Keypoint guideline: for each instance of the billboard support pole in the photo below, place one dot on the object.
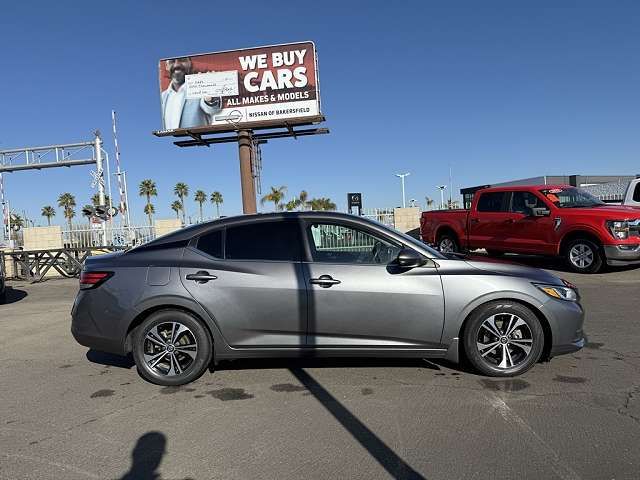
(246, 173)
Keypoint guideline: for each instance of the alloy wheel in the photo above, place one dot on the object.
(446, 245)
(504, 341)
(581, 255)
(170, 348)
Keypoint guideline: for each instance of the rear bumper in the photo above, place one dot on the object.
(94, 334)
(622, 254)
(95, 342)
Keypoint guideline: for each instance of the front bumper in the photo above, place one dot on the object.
(566, 320)
(622, 254)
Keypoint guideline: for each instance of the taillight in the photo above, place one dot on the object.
(93, 279)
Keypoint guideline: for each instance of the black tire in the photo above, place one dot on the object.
(492, 360)
(3, 297)
(448, 243)
(494, 253)
(583, 256)
(179, 349)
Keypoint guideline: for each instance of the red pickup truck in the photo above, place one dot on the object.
(543, 220)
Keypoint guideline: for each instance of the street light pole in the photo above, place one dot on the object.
(402, 176)
(442, 189)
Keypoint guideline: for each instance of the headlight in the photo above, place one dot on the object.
(568, 293)
(619, 229)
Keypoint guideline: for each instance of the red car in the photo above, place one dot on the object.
(543, 220)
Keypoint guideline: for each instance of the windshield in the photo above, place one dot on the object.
(571, 197)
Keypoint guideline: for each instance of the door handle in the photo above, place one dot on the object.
(201, 277)
(474, 220)
(325, 281)
(509, 220)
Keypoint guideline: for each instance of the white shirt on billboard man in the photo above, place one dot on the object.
(178, 111)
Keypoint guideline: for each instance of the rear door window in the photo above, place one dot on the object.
(636, 193)
(211, 243)
(492, 202)
(273, 240)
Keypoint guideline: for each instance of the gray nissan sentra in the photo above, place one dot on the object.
(316, 284)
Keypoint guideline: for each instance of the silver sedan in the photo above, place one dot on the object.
(316, 284)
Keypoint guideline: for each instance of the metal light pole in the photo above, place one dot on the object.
(442, 189)
(402, 176)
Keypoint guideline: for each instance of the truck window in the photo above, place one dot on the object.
(525, 202)
(491, 202)
(636, 193)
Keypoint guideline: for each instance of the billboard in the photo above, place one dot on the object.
(249, 88)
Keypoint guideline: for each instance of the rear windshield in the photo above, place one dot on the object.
(571, 197)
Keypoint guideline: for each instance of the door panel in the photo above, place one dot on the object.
(372, 307)
(526, 233)
(358, 298)
(254, 303)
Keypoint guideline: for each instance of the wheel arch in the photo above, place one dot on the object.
(544, 322)
(145, 313)
(447, 229)
(578, 233)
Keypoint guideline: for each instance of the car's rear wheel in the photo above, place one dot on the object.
(583, 256)
(503, 339)
(171, 347)
(448, 243)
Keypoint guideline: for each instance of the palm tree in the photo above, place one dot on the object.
(292, 205)
(276, 196)
(48, 212)
(216, 197)
(17, 222)
(200, 197)
(149, 210)
(176, 206)
(303, 199)
(148, 189)
(322, 203)
(182, 190)
(67, 201)
(87, 208)
(96, 199)
(430, 202)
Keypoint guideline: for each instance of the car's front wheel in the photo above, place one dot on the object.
(584, 256)
(171, 347)
(503, 339)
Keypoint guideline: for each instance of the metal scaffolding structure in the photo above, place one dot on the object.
(53, 156)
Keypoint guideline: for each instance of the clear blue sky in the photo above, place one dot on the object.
(497, 90)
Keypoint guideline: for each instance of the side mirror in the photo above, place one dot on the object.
(540, 212)
(408, 258)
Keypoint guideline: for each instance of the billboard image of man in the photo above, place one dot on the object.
(178, 111)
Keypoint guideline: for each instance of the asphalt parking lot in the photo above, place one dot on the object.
(70, 413)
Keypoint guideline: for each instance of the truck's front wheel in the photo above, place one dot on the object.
(448, 243)
(583, 256)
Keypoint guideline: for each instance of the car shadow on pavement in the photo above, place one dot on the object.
(13, 295)
(380, 451)
(110, 359)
